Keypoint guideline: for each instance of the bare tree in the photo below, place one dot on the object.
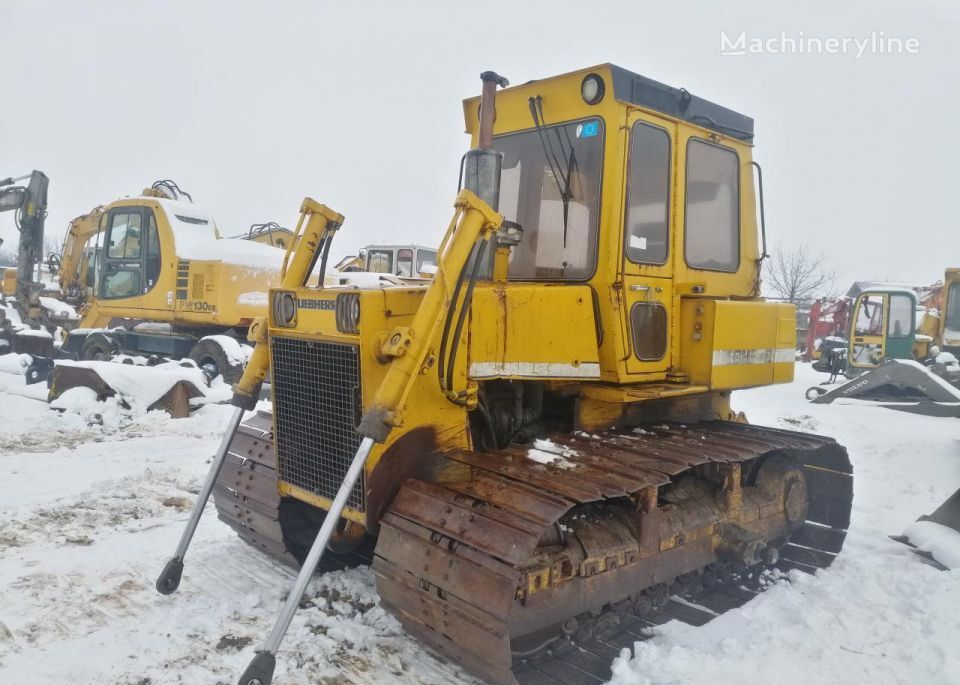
(798, 274)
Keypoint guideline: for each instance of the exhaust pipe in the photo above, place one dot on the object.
(482, 166)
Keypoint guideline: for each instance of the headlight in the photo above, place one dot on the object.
(348, 312)
(510, 234)
(284, 309)
(591, 89)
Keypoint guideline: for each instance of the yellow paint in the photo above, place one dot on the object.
(575, 337)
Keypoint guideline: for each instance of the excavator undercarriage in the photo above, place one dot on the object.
(532, 567)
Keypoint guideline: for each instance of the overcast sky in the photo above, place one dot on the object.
(251, 106)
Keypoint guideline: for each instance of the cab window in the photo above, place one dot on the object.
(550, 185)
(901, 316)
(124, 241)
(405, 262)
(426, 258)
(870, 316)
(380, 261)
(712, 207)
(648, 195)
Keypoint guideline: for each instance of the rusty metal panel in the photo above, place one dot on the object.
(488, 590)
(494, 531)
(521, 499)
(526, 471)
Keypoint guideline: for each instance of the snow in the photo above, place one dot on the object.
(14, 363)
(878, 615)
(941, 541)
(34, 333)
(90, 510)
(201, 241)
(13, 317)
(58, 308)
(546, 452)
(253, 299)
(237, 353)
(141, 386)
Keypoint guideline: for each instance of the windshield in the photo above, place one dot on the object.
(551, 186)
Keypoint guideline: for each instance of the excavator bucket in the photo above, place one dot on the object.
(936, 537)
(898, 384)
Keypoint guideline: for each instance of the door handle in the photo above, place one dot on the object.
(645, 288)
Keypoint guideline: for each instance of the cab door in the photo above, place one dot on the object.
(122, 274)
(868, 342)
(647, 249)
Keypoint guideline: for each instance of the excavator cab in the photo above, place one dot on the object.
(884, 327)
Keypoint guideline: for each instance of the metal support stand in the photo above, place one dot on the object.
(169, 579)
(260, 670)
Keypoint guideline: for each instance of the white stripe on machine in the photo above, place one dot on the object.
(535, 369)
(758, 355)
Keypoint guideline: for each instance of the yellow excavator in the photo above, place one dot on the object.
(537, 448)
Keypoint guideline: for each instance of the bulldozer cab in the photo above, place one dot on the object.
(884, 327)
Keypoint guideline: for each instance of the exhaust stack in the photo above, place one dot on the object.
(482, 166)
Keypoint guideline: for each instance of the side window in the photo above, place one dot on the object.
(380, 261)
(153, 252)
(648, 323)
(124, 240)
(425, 258)
(712, 207)
(869, 316)
(648, 195)
(901, 316)
(405, 263)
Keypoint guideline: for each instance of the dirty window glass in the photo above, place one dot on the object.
(901, 316)
(404, 263)
(712, 207)
(124, 242)
(870, 316)
(380, 261)
(425, 258)
(550, 185)
(648, 194)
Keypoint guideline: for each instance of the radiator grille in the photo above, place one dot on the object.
(316, 406)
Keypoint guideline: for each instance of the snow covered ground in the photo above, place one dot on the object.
(89, 513)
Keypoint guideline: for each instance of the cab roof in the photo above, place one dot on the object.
(679, 103)
(632, 88)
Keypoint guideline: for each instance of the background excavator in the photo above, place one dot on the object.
(903, 356)
(898, 353)
(536, 448)
(151, 277)
(27, 333)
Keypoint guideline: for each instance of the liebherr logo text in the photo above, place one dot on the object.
(324, 305)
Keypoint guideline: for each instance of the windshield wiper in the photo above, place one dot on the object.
(536, 111)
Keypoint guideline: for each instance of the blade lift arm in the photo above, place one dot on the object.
(409, 350)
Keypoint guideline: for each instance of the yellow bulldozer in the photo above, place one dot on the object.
(536, 448)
